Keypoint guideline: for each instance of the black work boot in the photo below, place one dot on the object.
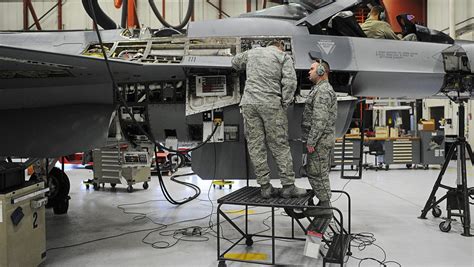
(320, 213)
(291, 191)
(268, 191)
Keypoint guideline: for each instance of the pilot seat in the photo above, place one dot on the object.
(345, 24)
(423, 34)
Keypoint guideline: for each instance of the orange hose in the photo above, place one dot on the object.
(118, 3)
(131, 14)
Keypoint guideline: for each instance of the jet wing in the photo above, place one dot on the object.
(327, 11)
(19, 66)
(56, 104)
(32, 78)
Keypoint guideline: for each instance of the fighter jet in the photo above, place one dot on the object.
(57, 95)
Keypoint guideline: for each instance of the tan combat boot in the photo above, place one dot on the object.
(318, 212)
(291, 191)
(268, 191)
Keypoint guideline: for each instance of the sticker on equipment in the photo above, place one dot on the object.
(1, 211)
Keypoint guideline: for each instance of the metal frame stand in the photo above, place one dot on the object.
(247, 196)
(361, 151)
(457, 197)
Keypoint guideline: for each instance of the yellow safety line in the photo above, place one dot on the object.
(237, 212)
(247, 256)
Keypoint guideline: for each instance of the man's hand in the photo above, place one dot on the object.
(310, 149)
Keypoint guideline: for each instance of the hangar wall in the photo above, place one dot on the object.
(438, 18)
(74, 16)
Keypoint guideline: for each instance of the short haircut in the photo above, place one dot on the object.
(377, 10)
(325, 65)
(276, 42)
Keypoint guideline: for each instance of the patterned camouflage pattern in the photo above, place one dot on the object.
(318, 127)
(317, 170)
(271, 77)
(267, 126)
(382, 30)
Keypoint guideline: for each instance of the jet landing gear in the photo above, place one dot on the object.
(57, 181)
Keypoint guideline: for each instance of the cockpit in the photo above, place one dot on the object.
(328, 17)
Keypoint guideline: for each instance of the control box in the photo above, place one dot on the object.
(135, 158)
(211, 120)
(213, 85)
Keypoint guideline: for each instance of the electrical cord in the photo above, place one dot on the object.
(123, 102)
(103, 238)
(340, 194)
(362, 241)
(149, 136)
(186, 18)
(166, 194)
(193, 148)
(139, 215)
(179, 233)
(192, 186)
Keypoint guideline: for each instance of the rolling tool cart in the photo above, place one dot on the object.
(120, 164)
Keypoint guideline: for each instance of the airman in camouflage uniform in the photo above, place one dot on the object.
(376, 27)
(318, 128)
(269, 90)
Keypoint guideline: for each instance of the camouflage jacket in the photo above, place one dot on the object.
(320, 113)
(271, 77)
(378, 29)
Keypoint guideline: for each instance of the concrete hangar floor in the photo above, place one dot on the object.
(128, 227)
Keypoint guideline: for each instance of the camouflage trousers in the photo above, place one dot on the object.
(267, 127)
(410, 37)
(318, 166)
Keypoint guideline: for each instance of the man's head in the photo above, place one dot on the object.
(277, 43)
(319, 71)
(377, 13)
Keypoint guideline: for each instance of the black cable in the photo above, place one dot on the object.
(91, 6)
(149, 136)
(101, 239)
(340, 194)
(166, 194)
(194, 148)
(362, 241)
(177, 234)
(123, 102)
(139, 215)
(123, 22)
(186, 18)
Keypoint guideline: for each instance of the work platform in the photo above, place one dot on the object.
(338, 245)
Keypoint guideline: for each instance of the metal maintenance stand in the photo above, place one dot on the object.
(457, 197)
(459, 87)
(247, 196)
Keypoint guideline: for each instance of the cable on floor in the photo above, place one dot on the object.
(362, 241)
(340, 194)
